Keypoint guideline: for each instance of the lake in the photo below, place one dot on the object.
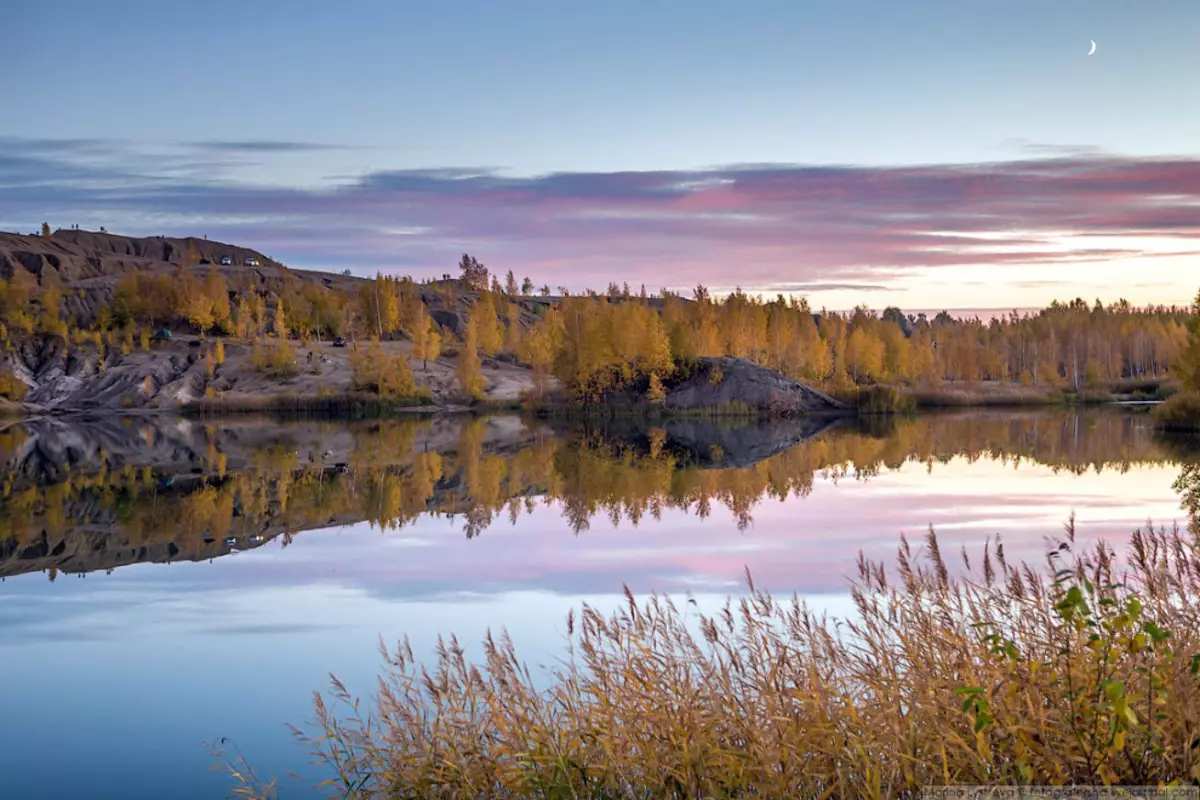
(168, 583)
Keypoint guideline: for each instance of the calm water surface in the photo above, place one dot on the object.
(167, 584)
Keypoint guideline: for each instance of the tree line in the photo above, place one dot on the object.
(595, 342)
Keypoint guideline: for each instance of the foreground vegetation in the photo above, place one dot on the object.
(984, 673)
(968, 672)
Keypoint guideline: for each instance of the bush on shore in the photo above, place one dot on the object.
(1180, 412)
(988, 673)
(883, 399)
(274, 358)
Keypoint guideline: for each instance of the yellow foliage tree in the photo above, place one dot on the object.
(864, 354)
(191, 300)
(491, 337)
(51, 300)
(16, 294)
(281, 327)
(513, 332)
(386, 374)
(379, 305)
(216, 291)
(427, 341)
(470, 376)
(657, 393)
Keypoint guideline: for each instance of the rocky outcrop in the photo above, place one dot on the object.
(81, 379)
(721, 382)
(713, 445)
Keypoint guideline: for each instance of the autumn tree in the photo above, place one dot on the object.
(526, 286)
(45, 230)
(145, 298)
(470, 375)
(538, 350)
(51, 297)
(16, 295)
(280, 324)
(510, 284)
(383, 373)
(379, 305)
(864, 354)
(487, 324)
(216, 292)
(473, 274)
(411, 306)
(243, 319)
(656, 393)
(427, 341)
(513, 332)
(191, 300)
(1188, 364)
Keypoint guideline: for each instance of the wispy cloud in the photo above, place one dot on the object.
(811, 288)
(806, 228)
(263, 146)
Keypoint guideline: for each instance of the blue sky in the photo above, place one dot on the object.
(262, 106)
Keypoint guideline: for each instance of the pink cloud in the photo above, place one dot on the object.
(754, 225)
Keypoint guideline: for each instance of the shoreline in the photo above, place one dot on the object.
(358, 406)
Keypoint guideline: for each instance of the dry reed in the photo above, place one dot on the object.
(991, 674)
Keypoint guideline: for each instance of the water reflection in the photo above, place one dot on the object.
(324, 537)
(78, 498)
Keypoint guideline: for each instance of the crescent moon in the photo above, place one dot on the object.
(1093, 41)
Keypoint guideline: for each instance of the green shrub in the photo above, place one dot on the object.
(1179, 412)
(880, 399)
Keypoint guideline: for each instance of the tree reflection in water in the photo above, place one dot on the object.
(83, 497)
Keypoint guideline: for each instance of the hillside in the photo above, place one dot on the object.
(79, 308)
(172, 373)
(90, 264)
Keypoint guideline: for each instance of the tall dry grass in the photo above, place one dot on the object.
(993, 674)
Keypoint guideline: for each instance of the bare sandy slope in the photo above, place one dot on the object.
(328, 371)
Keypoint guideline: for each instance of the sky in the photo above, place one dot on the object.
(925, 154)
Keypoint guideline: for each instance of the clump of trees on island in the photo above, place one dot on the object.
(596, 342)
